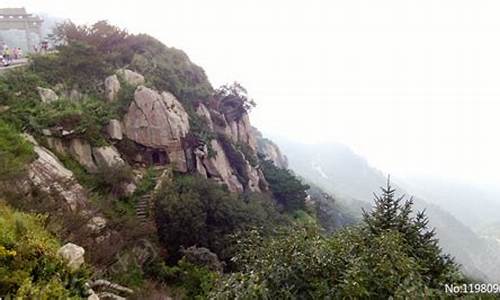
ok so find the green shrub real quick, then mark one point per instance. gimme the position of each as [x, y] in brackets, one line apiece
[75, 65]
[123, 100]
[111, 180]
[197, 282]
[195, 211]
[91, 52]
[286, 188]
[85, 118]
[15, 152]
[386, 257]
[29, 265]
[19, 85]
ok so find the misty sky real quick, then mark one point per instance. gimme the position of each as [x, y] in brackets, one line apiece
[414, 86]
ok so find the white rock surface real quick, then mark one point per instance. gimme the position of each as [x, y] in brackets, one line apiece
[107, 156]
[47, 95]
[130, 77]
[73, 255]
[112, 87]
[114, 130]
[81, 151]
[49, 174]
[158, 121]
[220, 167]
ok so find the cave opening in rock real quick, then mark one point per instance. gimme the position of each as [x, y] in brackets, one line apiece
[159, 157]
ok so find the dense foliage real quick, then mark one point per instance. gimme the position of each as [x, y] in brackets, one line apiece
[235, 92]
[287, 189]
[29, 265]
[87, 53]
[195, 211]
[15, 152]
[370, 261]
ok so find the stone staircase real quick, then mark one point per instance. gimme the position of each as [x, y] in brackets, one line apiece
[144, 208]
[145, 205]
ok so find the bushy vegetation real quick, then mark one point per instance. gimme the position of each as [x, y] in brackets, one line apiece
[289, 191]
[235, 94]
[87, 53]
[390, 255]
[195, 211]
[29, 265]
[194, 281]
[15, 152]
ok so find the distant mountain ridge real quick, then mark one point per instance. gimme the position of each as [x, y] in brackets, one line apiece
[338, 170]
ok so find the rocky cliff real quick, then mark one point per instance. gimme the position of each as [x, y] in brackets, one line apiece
[159, 128]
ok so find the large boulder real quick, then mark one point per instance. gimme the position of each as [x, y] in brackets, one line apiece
[47, 95]
[73, 255]
[158, 121]
[49, 175]
[112, 87]
[219, 167]
[114, 129]
[81, 151]
[107, 157]
[130, 77]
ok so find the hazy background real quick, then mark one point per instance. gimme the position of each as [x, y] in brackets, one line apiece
[413, 86]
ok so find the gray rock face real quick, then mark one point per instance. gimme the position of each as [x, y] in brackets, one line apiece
[55, 144]
[81, 151]
[272, 152]
[203, 112]
[253, 178]
[47, 95]
[48, 174]
[111, 87]
[114, 130]
[107, 157]
[131, 77]
[242, 132]
[73, 255]
[158, 121]
[97, 223]
[219, 167]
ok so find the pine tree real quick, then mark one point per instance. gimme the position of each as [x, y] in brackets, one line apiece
[394, 214]
[388, 213]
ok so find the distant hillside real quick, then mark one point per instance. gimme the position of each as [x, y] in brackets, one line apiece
[340, 171]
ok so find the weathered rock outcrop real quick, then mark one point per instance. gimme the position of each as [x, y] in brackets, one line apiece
[158, 121]
[114, 130]
[47, 95]
[73, 255]
[49, 175]
[238, 122]
[112, 87]
[241, 132]
[203, 112]
[81, 151]
[107, 157]
[56, 144]
[219, 168]
[271, 151]
[130, 77]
